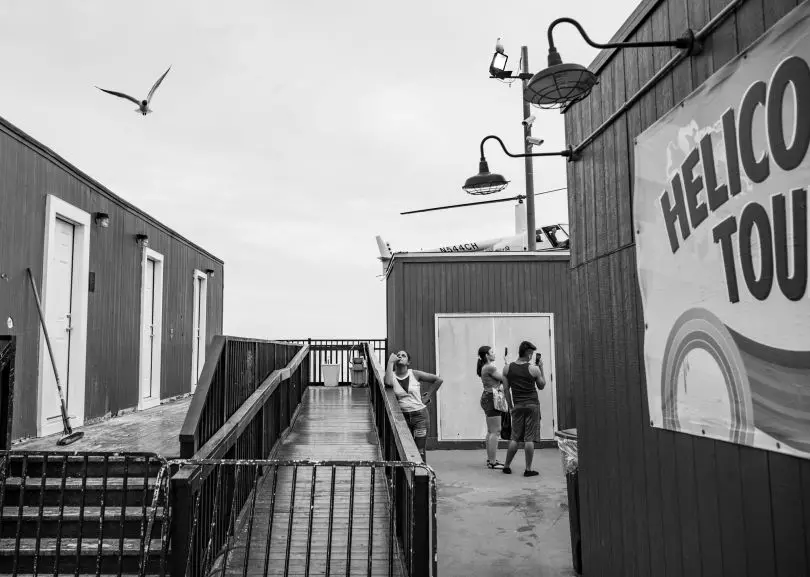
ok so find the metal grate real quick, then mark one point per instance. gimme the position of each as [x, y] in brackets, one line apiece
[82, 512]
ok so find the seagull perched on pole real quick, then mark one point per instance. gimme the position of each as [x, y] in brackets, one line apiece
[143, 105]
[499, 46]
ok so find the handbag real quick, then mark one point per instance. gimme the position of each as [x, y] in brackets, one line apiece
[506, 426]
[499, 400]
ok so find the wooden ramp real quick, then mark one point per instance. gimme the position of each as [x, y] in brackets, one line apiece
[301, 519]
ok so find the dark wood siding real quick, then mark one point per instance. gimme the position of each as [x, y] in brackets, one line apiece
[655, 502]
[28, 173]
[419, 287]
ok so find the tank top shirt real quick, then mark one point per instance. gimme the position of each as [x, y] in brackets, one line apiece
[408, 392]
[488, 380]
[522, 384]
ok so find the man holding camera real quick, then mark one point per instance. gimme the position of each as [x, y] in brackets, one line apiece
[522, 379]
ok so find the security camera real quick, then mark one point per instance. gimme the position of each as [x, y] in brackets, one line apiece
[534, 141]
[528, 121]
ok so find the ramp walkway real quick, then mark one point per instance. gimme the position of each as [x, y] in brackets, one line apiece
[321, 520]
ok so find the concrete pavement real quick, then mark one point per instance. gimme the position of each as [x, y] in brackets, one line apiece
[491, 524]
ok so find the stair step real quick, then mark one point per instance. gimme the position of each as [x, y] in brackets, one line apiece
[72, 525]
[90, 490]
[73, 483]
[76, 466]
[132, 547]
[108, 561]
[73, 513]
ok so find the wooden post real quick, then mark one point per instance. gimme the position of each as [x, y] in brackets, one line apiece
[421, 546]
[182, 503]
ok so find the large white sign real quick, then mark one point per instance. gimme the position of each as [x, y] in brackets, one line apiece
[720, 211]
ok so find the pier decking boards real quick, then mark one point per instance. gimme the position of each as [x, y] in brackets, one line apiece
[332, 424]
[155, 430]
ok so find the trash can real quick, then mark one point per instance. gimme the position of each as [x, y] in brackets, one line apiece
[567, 442]
[359, 372]
[331, 374]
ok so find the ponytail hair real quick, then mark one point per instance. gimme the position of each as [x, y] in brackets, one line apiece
[482, 359]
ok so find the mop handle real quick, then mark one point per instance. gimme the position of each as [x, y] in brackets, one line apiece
[47, 338]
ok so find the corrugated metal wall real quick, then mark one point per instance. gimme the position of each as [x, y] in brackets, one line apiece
[656, 502]
[419, 287]
[28, 172]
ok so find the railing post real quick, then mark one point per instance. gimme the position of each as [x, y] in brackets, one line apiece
[182, 502]
[421, 546]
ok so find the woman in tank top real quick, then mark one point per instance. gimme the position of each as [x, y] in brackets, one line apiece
[407, 384]
[491, 378]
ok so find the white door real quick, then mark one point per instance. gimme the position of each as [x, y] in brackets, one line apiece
[509, 332]
[60, 295]
[151, 328]
[458, 337]
[148, 352]
[198, 331]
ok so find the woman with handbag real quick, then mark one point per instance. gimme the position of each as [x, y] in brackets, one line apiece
[493, 402]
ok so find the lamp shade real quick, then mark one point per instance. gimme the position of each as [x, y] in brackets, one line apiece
[559, 85]
[484, 182]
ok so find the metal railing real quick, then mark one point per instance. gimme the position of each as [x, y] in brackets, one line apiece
[83, 512]
[234, 368]
[338, 351]
[199, 496]
[305, 517]
[415, 498]
[8, 353]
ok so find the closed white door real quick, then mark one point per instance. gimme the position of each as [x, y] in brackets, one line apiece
[149, 386]
[459, 411]
[458, 338]
[510, 332]
[60, 295]
[200, 303]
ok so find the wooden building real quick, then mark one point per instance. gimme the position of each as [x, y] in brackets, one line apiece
[656, 501]
[130, 304]
[440, 307]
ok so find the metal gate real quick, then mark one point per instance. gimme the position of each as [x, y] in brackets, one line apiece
[303, 517]
[83, 512]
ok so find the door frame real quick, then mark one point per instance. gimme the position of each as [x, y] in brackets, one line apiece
[550, 370]
[57, 208]
[198, 274]
[157, 291]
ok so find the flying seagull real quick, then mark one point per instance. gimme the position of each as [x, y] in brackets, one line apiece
[143, 105]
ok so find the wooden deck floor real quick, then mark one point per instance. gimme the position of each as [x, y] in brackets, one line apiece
[333, 424]
[155, 430]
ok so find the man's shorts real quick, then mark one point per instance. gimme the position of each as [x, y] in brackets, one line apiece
[488, 405]
[418, 422]
[526, 424]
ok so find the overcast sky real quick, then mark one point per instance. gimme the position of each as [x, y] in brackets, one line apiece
[288, 134]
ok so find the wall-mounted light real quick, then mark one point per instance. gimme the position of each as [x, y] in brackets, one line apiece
[486, 183]
[562, 84]
[102, 219]
[209, 272]
[142, 239]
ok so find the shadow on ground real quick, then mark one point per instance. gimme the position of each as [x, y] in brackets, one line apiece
[492, 524]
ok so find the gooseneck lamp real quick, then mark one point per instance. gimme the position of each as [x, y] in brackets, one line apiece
[487, 183]
[562, 84]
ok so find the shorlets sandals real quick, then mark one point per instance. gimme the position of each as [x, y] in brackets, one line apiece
[495, 465]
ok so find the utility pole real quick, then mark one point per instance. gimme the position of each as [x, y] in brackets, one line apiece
[527, 131]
